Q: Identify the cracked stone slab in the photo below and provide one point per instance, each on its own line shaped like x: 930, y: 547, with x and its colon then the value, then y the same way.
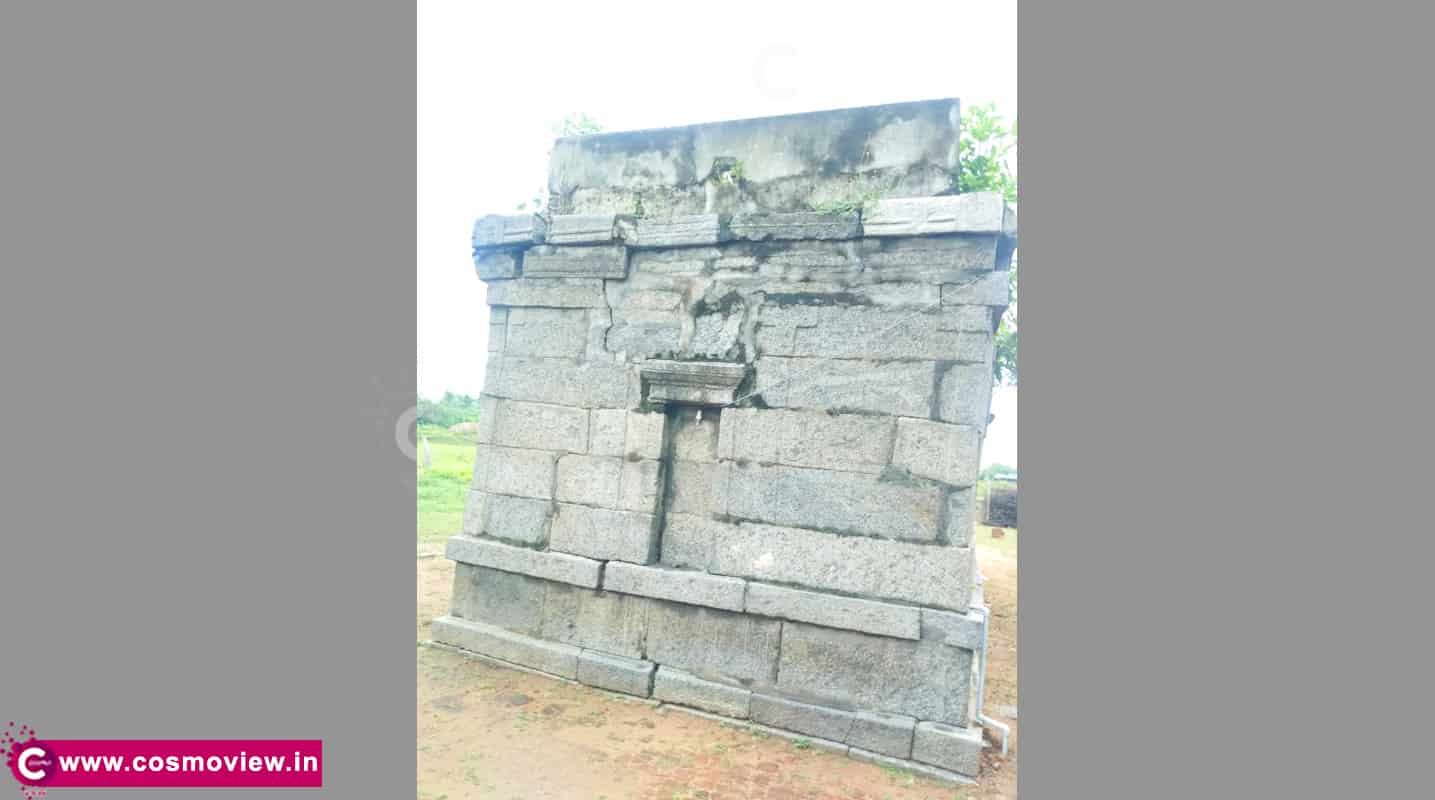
x: 948, y: 747
x: 683, y: 586
x: 833, y: 611
x: 582, y: 228
x: 576, y: 261
x: 615, y: 673
x: 678, y: 231
x: 972, y: 212
x: 550, y: 292
x: 676, y: 686
x: 930, y: 575
x: 488, y: 640
x: 498, y: 230
x: 560, y: 567
x: 795, y: 225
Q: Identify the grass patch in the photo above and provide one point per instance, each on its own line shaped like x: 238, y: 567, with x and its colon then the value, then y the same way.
x: 443, y: 486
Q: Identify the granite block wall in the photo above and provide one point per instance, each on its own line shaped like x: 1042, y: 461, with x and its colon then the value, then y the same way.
x: 732, y: 417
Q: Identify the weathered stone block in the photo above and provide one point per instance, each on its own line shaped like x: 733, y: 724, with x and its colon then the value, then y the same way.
x: 541, y: 426
x: 582, y: 229
x: 833, y: 611
x: 626, y: 675
x: 593, y: 480
x: 606, y: 429
x: 958, y: 520
x: 948, y: 747
x: 586, y: 384
x: 716, y: 335
x: 560, y: 567
x: 580, y: 261
x: 711, y: 642
x: 475, y: 512
x: 505, y: 599
x: 518, y: 519
x: 819, y: 721
x: 859, y: 443
x: 986, y: 289
x: 958, y: 629
x: 546, y: 332
x: 605, y: 534
x: 699, y: 488
x: 929, y: 575
x: 497, y: 230
x: 795, y: 225
x: 549, y: 292
x: 975, y: 348
x: 888, y: 734
x: 922, y: 679
x: 683, y: 586
x: 644, y: 437
x: 644, y: 338
x: 964, y: 395
x: 497, y: 265
x: 871, y: 332
x: 674, y: 686
x: 515, y: 648
x: 867, y: 505
x: 497, y: 329
x: 939, y: 451
x: 605, y: 621
x: 695, y: 440
x: 642, y: 486
x: 931, y: 260
x: 680, y: 262
x: 514, y: 471
x: 901, y: 388
x: 972, y: 212
x: 687, y: 541
x: 678, y: 231
x: 487, y: 418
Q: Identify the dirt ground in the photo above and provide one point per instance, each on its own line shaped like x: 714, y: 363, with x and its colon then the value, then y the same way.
x: 489, y: 732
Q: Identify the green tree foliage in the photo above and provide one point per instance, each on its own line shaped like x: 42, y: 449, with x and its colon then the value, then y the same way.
x: 451, y: 410
x: 986, y: 150
x: 995, y: 470
x: 576, y: 124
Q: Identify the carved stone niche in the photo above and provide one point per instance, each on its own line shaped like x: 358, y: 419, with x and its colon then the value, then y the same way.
x: 692, y: 383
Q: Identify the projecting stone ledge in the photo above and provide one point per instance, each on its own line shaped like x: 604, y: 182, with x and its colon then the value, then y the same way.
x: 974, y: 212
x: 833, y: 611
x: 693, y: 588
x: 514, y: 230
x: 706, y: 383
x: 551, y: 657
x: 795, y: 225
x: 559, y: 567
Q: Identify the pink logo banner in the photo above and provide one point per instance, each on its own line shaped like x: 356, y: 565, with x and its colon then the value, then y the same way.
x: 167, y: 763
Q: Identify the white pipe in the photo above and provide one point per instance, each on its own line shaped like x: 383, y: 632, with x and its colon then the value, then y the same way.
x: 981, y: 718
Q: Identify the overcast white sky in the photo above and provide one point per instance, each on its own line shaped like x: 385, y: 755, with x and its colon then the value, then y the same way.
x: 495, y: 77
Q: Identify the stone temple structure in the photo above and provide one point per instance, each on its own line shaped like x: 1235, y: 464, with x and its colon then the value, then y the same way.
x: 737, y: 382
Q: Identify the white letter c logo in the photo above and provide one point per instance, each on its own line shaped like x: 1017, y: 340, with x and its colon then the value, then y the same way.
x: 23, y: 763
